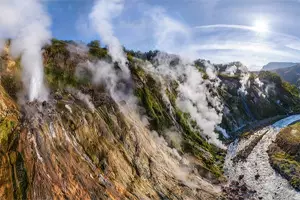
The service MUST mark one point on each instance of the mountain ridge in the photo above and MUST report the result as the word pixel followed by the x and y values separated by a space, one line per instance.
pixel 278 65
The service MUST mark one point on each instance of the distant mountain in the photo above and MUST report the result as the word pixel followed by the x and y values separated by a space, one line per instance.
pixel 278 65
pixel 290 74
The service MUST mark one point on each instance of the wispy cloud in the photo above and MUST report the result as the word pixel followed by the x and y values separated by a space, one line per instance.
pixel 157 27
pixel 228 42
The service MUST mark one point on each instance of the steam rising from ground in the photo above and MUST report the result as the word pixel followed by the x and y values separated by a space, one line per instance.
pixel 193 94
pixel 194 97
pixel 118 82
pixel 82 97
pixel 245 83
pixel 104 73
pixel 103 12
pixel 258 82
pixel 27 23
pixel 166 161
pixel 231 70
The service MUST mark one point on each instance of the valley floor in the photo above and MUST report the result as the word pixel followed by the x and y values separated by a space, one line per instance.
pixel 256 170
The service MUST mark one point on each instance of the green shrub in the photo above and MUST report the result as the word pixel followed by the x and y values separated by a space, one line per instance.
pixel 271 77
pixel 292 89
pixel 96 50
pixel 11 84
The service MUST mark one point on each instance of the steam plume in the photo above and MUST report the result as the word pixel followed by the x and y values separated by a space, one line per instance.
pixel 245 83
pixel 231 70
pixel 118 82
pixel 193 96
pixel 258 82
pixel 103 12
pixel 27 23
pixel 82 97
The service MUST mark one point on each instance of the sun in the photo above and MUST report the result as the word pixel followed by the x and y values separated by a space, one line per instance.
pixel 261 26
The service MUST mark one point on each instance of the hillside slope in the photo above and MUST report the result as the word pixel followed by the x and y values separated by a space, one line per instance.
pixel 83 143
pixel 290 74
pixel 277 65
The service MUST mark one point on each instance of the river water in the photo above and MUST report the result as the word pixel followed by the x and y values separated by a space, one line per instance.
pixel 269 185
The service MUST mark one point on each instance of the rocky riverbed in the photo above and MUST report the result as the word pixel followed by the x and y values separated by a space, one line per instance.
pixel 254 173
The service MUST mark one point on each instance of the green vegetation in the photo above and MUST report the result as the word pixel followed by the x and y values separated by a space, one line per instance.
pixel 287 166
pixel 9 136
pixel 149 93
pixel 292 89
pixel 57 47
pixel 6 129
pixel 271 77
pixel 59 78
pixel 12 84
pixel 152 101
pixel 19 175
pixel 129 57
pixel 60 68
pixel 228 76
pixel 285 155
pixel 96 50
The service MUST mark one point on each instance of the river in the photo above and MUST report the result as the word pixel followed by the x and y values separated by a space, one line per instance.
pixel 269 185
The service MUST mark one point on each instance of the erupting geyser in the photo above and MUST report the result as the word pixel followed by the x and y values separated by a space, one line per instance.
pixel 27 24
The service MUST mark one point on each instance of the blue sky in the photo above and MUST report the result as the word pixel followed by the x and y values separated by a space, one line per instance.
pixel 252 31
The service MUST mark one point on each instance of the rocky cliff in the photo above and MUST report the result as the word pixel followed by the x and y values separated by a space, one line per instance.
pixel 85 144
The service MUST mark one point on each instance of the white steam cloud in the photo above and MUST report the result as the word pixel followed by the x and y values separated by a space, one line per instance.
pixel 245 83
pixel 231 70
pixel 103 12
pixel 104 73
pixel 118 82
pixel 193 95
pixel 82 97
pixel 27 24
pixel 258 82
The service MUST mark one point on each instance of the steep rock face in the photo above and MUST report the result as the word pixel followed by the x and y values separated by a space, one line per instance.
pixel 76 153
pixel 265 96
pixel 13 175
pixel 67 149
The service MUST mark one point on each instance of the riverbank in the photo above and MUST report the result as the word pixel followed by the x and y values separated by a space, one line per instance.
pixel 258 175
pixel 284 154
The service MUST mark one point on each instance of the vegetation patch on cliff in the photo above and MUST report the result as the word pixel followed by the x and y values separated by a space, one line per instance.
pixel 284 154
